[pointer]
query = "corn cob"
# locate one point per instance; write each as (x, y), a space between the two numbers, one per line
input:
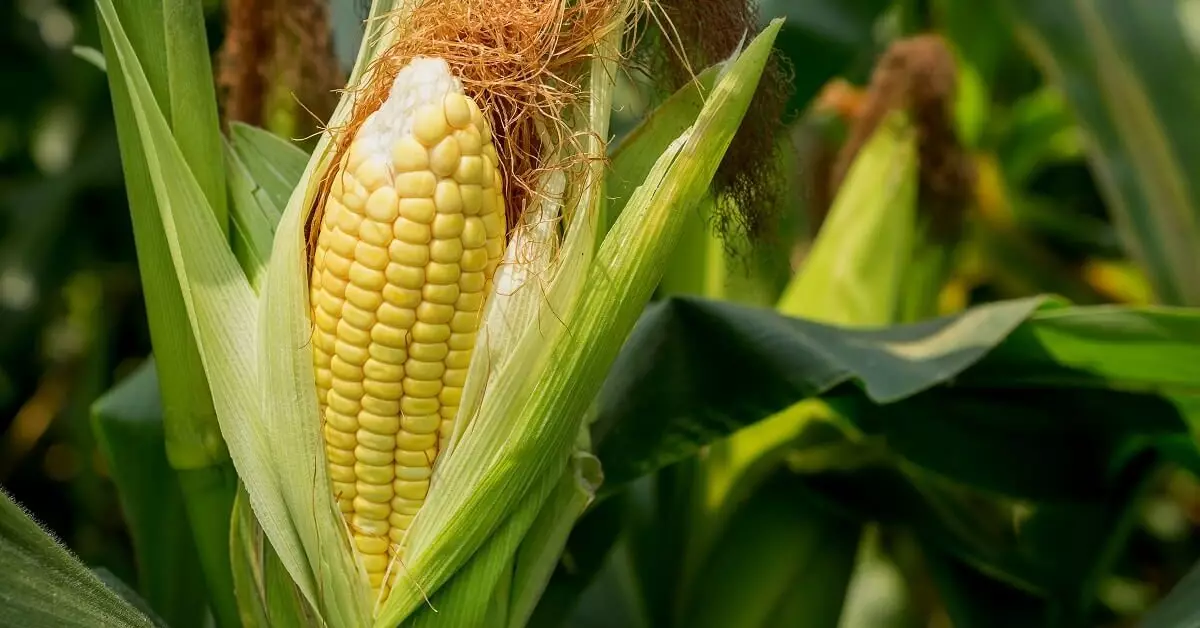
(410, 238)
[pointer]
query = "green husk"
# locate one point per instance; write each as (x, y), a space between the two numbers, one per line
(853, 273)
(509, 447)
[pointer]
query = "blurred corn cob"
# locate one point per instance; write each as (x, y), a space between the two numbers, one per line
(916, 75)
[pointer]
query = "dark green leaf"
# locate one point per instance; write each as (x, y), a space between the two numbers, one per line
(1036, 443)
(694, 371)
(782, 561)
(119, 587)
(588, 547)
(1063, 389)
(1052, 552)
(43, 586)
(974, 600)
(128, 425)
(962, 523)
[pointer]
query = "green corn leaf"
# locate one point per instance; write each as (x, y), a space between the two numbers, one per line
(664, 399)
(43, 586)
(118, 586)
(128, 425)
(632, 159)
(180, 76)
(783, 560)
(982, 436)
(506, 457)
(263, 170)
(250, 210)
(192, 95)
(1108, 58)
(1149, 349)
(193, 439)
(274, 164)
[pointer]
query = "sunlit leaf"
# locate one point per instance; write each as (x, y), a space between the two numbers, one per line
(695, 371)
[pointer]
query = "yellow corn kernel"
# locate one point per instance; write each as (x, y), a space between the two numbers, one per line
(412, 226)
(415, 472)
(469, 141)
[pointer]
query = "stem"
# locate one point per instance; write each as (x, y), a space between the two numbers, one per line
(208, 497)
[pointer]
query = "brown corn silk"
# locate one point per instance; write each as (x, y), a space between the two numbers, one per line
(686, 36)
(918, 75)
(520, 60)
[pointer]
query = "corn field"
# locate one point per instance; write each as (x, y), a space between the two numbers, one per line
(600, 313)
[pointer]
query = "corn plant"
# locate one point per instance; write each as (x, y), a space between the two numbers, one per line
(418, 375)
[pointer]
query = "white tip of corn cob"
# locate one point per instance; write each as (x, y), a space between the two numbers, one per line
(424, 80)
